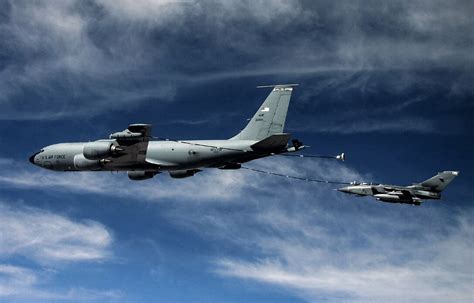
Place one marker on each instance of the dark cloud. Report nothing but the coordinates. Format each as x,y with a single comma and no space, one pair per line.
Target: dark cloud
73,58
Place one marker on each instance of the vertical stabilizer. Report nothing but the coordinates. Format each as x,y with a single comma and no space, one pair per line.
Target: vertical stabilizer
439,182
270,117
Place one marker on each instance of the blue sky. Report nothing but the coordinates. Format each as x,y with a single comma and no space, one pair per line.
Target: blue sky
389,83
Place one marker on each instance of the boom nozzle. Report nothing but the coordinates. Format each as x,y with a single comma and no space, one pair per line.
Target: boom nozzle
341,157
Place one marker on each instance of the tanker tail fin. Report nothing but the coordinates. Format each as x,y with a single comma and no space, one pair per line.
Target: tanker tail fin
270,117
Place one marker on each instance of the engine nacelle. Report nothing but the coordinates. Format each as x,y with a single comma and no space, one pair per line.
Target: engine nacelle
179,174
99,149
81,163
140,175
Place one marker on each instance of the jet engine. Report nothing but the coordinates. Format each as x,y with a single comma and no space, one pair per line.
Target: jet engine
81,163
179,174
100,149
140,175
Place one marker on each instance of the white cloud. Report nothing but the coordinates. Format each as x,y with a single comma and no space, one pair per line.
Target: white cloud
13,278
214,184
24,283
321,244
305,238
218,185
391,255
48,238
409,283
414,124
358,102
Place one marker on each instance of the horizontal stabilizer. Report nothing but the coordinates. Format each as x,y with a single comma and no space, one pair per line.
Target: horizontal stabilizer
273,143
277,85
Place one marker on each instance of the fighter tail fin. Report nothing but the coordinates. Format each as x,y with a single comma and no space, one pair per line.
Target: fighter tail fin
439,182
270,117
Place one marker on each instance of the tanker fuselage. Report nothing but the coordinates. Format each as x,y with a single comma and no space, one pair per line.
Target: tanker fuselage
160,155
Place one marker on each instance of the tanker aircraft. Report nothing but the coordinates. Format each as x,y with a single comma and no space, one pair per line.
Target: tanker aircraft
132,149
413,194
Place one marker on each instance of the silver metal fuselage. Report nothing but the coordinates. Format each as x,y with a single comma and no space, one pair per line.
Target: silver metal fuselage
131,149
412,194
160,156
394,193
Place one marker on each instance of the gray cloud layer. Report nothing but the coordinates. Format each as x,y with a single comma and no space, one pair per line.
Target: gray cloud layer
72,58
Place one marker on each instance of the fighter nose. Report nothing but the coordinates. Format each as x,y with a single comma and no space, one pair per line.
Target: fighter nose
32,158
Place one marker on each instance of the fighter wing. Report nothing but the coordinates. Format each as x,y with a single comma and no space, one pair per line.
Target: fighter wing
395,190
133,143
407,195
400,192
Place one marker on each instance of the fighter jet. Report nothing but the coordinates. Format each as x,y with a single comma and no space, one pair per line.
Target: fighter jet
134,150
413,194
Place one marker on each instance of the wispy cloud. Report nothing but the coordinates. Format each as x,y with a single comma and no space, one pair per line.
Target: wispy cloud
50,240
46,237
50,51
218,185
363,125
380,101
82,59
319,244
305,238
360,263
25,284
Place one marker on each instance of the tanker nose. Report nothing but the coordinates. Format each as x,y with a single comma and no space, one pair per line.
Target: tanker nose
32,158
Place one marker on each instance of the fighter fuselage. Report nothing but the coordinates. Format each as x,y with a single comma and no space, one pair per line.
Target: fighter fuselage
412,194
391,193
